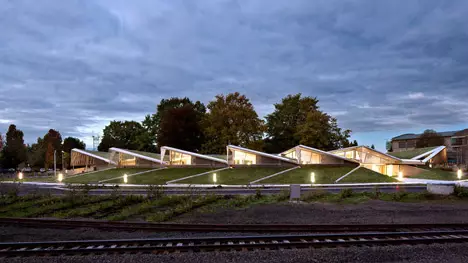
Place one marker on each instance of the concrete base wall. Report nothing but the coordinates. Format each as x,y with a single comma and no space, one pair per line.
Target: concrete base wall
440,189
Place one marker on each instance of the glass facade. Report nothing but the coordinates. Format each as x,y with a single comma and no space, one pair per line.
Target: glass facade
241,157
177,158
308,157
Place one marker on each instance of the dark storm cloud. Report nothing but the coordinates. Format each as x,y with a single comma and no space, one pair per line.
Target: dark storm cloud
376,65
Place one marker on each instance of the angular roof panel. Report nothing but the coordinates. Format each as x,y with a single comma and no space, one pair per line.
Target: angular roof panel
138,155
103,156
207,157
273,156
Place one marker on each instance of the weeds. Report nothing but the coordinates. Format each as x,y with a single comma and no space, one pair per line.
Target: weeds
460,191
183,208
346,193
313,195
155,192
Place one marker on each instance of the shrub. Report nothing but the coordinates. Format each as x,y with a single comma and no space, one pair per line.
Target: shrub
283,195
258,193
155,192
345,193
398,196
460,191
313,195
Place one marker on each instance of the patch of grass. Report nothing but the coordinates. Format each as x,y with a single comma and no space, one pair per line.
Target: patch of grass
364,175
146,207
437,174
182,208
103,175
162,176
30,178
323,175
411,153
241,175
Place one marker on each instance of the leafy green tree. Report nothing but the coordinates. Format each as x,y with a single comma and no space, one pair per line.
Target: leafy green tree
298,120
53,143
354,143
68,144
125,135
372,146
429,138
37,153
14,150
231,119
180,128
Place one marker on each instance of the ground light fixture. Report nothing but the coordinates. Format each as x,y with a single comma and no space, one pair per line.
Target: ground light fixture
60,177
459,173
214,178
400,176
20,176
312,177
125,177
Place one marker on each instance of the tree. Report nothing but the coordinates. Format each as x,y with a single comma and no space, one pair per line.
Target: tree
68,144
14,150
283,122
298,120
37,153
1,142
180,128
354,143
372,146
174,129
231,119
125,135
429,138
53,143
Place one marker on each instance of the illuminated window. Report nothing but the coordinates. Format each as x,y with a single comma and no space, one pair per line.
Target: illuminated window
309,157
180,158
291,154
240,157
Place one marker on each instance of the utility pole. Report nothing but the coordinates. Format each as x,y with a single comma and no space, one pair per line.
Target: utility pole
96,140
55,163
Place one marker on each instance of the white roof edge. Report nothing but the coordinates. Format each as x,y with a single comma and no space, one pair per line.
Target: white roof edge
370,149
434,153
92,155
327,153
136,155
411,161
429,152
264,154
195,154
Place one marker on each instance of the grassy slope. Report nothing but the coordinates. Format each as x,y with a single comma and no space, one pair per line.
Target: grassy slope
103,175
162,176
411,153
323,175
437,174
364,175
101,154
234,176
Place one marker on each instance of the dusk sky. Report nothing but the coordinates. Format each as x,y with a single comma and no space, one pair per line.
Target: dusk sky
382,68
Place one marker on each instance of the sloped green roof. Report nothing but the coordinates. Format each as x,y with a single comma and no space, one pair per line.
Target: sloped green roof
411,153
100,154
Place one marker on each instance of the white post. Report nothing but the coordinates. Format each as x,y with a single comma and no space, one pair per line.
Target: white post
55,164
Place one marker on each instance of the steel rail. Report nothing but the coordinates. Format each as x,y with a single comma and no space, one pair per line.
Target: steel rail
176,227
170,245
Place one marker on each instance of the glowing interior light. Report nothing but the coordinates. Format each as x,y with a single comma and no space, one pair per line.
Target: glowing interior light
390,170
20,176
312,177
430,165
459,173
400,175
60,177
374,167
66,171
214,178
125,178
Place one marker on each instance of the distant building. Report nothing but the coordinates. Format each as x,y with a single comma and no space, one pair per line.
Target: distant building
455,141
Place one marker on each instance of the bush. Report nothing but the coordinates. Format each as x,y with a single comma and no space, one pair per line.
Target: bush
398,196
460,191
155,192
258,193
345,193
283,195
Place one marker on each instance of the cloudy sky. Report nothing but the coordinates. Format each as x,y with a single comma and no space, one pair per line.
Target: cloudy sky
381,67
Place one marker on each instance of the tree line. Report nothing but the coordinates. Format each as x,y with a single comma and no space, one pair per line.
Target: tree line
15,153
193,126
228,119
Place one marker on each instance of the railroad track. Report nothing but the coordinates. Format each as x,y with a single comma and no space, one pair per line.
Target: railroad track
240,243
258,228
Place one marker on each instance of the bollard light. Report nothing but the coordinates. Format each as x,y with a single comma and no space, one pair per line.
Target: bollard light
430,165
459,173
125,178
20,176
400,176
60,177
214,178
312,177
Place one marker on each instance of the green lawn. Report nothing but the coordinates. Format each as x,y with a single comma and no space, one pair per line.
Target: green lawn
162,176
323,175
103,175
364,175
438,174
242,175
328,175
411,153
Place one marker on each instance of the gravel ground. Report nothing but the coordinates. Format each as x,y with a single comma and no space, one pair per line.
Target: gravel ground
420,253
371,212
